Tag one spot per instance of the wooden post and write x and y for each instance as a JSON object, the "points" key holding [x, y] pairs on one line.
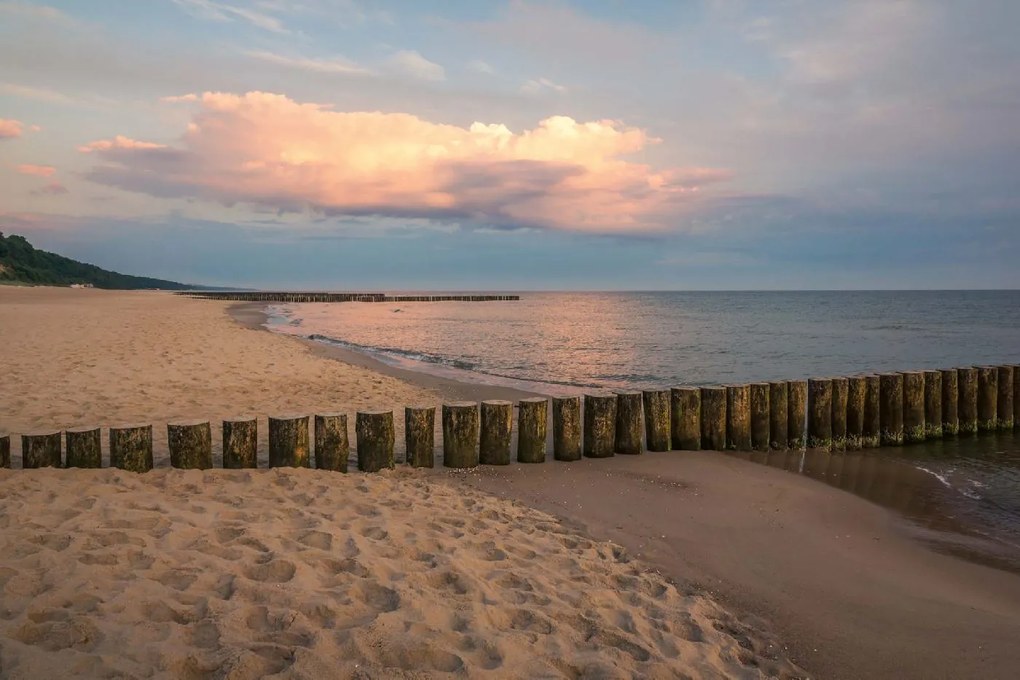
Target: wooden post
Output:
{"points": [[913, 407], [713, 418], [968, 399], [599, 425], [40, 449], [988, 398], [288, 441], [629, 428], [820, 413], [190, 444], [871, 437], [891, 408], [5, 451], [240, 443], [796, 429], [738, 417], [950, 402], [778, 414], [332, 444], [497, 426], [1004, 403], [856, 396], [1016, 396], [532, 419], [685, 418], [460, 434], [84, 447], [657, 419], [933, 404], [374, 430], [420, 435], [840, 387], [131, 447], [566, 428], [760, 440]]}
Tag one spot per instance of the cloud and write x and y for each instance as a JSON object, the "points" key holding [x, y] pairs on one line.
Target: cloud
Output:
{"points": [[10, 129], [268, 150], [37, 170], [479, 66], [541, 85], [220, 11], [51, 189], [33, 11], [336, 65], [411, 63]]}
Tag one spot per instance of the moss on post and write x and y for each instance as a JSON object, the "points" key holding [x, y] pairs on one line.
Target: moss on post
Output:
{"points": [[685, 418], [460, 434], [131, 447], [83, 447], [871, 437], [840, 388], [820, 413], [630, 429], [967, 403], [332, 444], [240, 443], [5, 451], [190, 444], [1004, 403], [778, 414], [375, 439], [420, 436], [796, 411], [760, 429], [913, 407], [599, 425], [933, 404], [950, 401], [856, 396], [40, 449], [496, 432], [891, 408], [713, 418], [657, 419], [288, 441], [738, 417], [532, 428], [566, 428], [987, 398]]}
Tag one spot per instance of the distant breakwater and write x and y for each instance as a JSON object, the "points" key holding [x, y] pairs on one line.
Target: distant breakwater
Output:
{"points": [[291, 297]]}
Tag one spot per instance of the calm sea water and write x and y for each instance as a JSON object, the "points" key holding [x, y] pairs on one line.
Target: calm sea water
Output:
{"points": [[963, 494]]}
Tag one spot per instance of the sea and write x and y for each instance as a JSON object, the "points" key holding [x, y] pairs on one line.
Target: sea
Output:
{"points": [[961, 495]]}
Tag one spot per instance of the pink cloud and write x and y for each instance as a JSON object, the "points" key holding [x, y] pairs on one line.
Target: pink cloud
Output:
{"points": [[51, 189], [37, 170], [10, 129], [269, 150]]}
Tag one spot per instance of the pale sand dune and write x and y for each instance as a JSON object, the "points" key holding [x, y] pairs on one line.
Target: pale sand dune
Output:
{"points": [[244, 574]]}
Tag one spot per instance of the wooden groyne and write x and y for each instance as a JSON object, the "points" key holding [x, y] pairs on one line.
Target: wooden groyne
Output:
{"points": [[828, 414], [296, 296]]}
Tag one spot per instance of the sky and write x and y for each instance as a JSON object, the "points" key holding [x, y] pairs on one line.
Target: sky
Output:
{"points": [[520, 145]]}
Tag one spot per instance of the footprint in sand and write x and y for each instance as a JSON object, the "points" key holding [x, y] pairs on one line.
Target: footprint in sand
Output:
{"points": [[274, 571]]}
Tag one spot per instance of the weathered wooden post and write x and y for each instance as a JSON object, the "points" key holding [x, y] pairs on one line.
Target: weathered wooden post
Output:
{"points": [[532, 419], [40, 449], [1016, 395], [968, 399], [796, 430], [988, 398], [332, 444], [950, 401], [5, 451], [933, 404], [460, 434], [629, 428], [1004, 403], [83, 447], [190, 444], [566, 428], [871, 436], [497, 426], [856, 396], [891, 408], [240, 443], [713, 418], [288, 441], [820, 413], [760, 430], [738, 417], [420, 435], [685, 418], [840, 388], [778, 414], [131, 447], [913, 407], [599, 425], [657, 419], [374, 431]]}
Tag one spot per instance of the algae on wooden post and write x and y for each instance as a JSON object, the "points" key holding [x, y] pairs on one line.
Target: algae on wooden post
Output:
{"points": [[913, 407], [131, 447], [332, 443], [240, 443], [778, 414], [190, 444], [933, 404], [532, 419], [968, 399], [840, 387], [713, 418], [375, 440], [820, 413], [599, 425], [760, 429], [5, 451], [629, 426], [685, 418], [987, 398], [1016, 395], [891, 408], [40, 449], [856, 395], [657, 419], [738, 417], [566, 428], [1004, 403], [420, 435], [497, 427], [460, 434], [288, 441], [84, 447], [796, 407], [871, 436], [950, 402]]}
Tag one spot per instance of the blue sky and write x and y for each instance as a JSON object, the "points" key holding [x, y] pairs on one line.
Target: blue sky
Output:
{"points": [[712, 144]]}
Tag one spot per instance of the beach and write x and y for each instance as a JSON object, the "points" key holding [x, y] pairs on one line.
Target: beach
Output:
{"points": [[672, 564]]}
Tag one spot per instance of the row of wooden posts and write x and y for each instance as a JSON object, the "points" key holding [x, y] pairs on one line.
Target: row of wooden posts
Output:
{"points": [[829, 413]]}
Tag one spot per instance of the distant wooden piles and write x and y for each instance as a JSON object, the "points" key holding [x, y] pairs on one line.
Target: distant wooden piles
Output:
{"points": [[291, 297]]}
